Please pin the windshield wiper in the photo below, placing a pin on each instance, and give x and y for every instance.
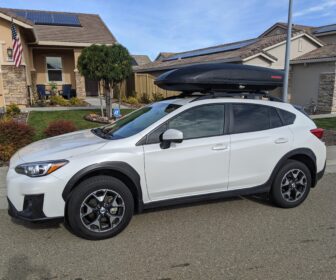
(99, 132)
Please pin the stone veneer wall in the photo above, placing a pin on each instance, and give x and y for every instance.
(80, 85)
(14, 84)
(326, 102)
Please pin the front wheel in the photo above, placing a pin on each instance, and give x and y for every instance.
(100, 207)
(291, 185)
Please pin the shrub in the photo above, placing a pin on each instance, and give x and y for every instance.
(124, 99)
(59, 127)
(132, 100)
(157, 96)
(74, 101)
(12, 110)
(59, 100)
(14, 135)
(144, 98)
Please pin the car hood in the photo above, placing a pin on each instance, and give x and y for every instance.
(61, 147)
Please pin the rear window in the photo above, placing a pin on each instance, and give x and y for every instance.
(288, 118)
(254, 117)
(250, 117)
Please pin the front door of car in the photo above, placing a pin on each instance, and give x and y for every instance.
(198, 165)
(259, 140)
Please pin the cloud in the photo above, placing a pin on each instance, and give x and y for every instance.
(321, 7)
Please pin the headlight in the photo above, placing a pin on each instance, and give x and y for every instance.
(38, 169)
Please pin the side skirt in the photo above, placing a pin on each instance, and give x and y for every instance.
(204, 197)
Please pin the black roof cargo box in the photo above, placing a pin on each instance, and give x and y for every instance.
(220, 77)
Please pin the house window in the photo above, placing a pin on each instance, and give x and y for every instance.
(54, 69)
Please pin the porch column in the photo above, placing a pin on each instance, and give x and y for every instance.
(80, 80)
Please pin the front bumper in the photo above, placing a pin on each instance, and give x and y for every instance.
(35, 199)
(32, 209)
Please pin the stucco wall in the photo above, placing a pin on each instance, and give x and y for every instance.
(305, 81)
(68, 64)
(296, 51)
(259, 61)
(5, 37)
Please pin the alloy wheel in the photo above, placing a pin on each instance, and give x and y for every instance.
(102, 210)
(293, 185)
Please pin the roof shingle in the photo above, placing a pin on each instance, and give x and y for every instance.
(228, 56)
(327, 51)
(92, 31)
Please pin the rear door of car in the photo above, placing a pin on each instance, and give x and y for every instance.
(259, 139)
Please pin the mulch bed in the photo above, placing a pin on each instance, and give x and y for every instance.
(97, 118)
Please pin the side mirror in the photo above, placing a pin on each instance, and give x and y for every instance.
(171, 136)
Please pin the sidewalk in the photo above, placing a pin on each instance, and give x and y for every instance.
(322, 116)
(331, 159)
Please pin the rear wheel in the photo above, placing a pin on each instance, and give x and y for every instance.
(292, 184)
(100, 207)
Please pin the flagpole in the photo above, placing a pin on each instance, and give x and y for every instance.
(288, 50)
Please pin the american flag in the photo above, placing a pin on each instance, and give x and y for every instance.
(17, 48)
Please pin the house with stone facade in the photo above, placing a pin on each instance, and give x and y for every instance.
(52, 43)
(313, 61)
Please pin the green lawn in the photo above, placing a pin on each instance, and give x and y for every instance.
(40, 120)
(327, 123)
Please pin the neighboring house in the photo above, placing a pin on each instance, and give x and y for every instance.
(313, 61)
(139, 60)
(52, 43)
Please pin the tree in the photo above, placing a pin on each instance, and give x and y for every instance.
(117, 69)
(91, 65)
(110, 64)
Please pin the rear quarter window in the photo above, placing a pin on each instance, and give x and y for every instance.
(287, 118)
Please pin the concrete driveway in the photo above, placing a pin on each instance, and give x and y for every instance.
(241, 238)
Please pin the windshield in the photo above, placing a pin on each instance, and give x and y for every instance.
(136, 121)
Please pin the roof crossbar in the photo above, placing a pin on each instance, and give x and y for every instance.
(237, 94)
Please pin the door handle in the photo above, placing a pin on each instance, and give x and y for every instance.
(281, 140)
(219, 147)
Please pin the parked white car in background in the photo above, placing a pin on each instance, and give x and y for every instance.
(177, 150)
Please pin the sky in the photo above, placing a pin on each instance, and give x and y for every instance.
(152, 26)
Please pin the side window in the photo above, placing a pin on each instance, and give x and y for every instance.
(287, 117)
(250, 117)
(274, 118)
(198, 122)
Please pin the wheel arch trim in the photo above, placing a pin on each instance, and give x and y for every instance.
(296, 152)
(109, 166)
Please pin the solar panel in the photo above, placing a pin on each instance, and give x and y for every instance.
(46, 18)
(213, 50)
(323, 29)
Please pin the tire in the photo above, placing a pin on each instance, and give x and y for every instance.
(287, 190)
(99, 208)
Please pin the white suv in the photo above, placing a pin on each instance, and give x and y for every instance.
(177, 150)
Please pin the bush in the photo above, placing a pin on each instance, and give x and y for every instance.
(14, 135)
(74, 101)
(59, 100)
(132, 100)
(12, 110)
(157, 96)
(144, 98)
(59, 127)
